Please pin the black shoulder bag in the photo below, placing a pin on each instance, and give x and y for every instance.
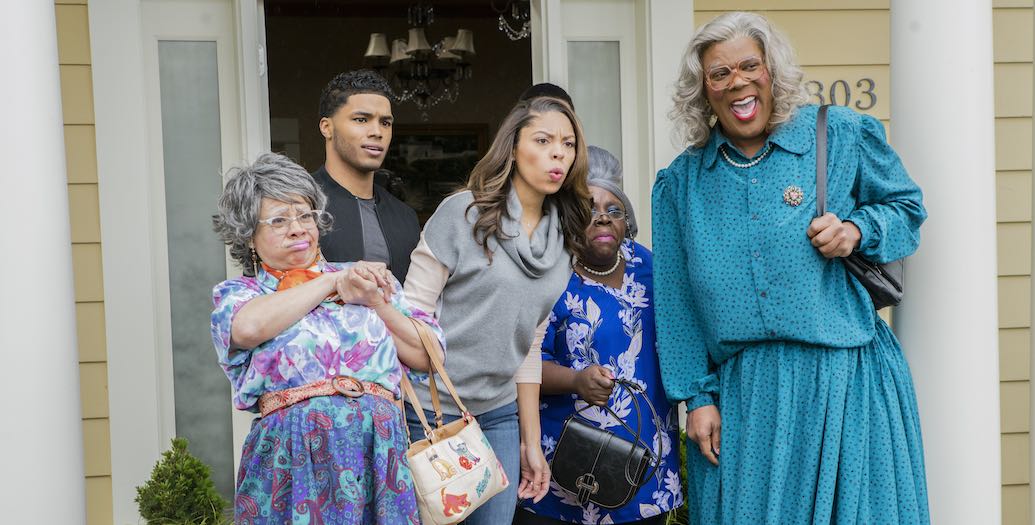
(882, 281)
(596, 465)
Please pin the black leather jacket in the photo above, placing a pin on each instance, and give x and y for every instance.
(344, 243)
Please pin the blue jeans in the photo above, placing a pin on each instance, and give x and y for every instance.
(500, 427)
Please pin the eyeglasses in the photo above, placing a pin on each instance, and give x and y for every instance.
(306, 220)
(614, 212)
(721, 77)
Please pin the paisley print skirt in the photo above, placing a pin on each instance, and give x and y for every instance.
(327, 460)
(814, 435)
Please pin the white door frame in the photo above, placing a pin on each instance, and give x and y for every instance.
(141, 417)
(663, 33)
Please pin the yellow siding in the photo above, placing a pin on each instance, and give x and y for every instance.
(99, 501)
(73, 39)
(1014, 301)
(81, 154)
(1012, 41)
(1014, 354)
(1016, 505)
(86, 261)
(76, 92)
(84, 213)
(1012, 30)
(1013, 142)
(1015, 255)
(93, 390)
(828, 37)
(786, 5)
(1013, 196)
(90, 331)
(1013, 400)
(96, 442)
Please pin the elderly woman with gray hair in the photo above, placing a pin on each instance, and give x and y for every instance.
(318, 349)
(602, 328)
(800, 403)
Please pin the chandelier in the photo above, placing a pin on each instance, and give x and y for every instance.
(422, 73)
(514, 14)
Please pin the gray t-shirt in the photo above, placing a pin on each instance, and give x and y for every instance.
(375, 247)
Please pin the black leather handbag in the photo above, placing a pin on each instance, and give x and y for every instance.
(597, 466)
(882, 281)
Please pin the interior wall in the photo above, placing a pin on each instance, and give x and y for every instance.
(305, 52)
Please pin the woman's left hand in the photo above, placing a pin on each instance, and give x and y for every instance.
(535, 473)
(833, 237)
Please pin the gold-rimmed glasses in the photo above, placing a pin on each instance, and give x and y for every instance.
(721, 77)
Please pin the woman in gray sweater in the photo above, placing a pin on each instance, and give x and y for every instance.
(490, 264)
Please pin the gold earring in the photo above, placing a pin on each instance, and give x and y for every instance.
(255, 262)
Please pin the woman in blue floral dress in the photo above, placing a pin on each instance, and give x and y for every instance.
(318, 349)
(602, 328)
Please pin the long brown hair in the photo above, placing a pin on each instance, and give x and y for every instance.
(490, 179)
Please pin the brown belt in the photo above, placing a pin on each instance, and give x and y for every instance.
(339, 385)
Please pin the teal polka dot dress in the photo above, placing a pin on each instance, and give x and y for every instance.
(819, 415)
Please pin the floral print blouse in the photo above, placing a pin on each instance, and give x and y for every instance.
(593, 324)
(330, 340)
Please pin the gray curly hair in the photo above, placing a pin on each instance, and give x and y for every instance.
(606, 172)
(692, 114)
(271, 176)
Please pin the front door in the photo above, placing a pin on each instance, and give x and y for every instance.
(194, 135)
(597, 50)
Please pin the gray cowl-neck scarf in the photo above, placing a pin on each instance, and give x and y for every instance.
(535, 255)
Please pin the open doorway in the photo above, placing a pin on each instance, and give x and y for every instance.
(432, 151)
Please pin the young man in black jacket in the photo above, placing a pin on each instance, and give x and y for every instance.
(369, 223)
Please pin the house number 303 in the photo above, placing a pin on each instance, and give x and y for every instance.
(840, 93)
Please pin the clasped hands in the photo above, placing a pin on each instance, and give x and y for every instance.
(365, 283)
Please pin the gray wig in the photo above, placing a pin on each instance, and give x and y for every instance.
(692, 114)
(271, 176)
(605, 172)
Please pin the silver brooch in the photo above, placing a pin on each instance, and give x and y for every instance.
(793, 195)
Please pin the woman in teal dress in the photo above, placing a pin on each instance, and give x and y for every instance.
(800, 404)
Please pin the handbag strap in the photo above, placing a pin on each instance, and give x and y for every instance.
(433, 349)
(821, 161)
(634, 389)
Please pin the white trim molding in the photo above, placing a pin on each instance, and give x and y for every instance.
(43, 432)
(948, 320)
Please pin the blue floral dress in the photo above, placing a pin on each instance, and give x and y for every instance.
(819, 415)
(595, 324)
(326, 460)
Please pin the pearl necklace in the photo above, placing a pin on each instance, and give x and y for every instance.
(598, 273)
(746, 164)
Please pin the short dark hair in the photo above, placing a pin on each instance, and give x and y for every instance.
(361, 81)
(546, 89)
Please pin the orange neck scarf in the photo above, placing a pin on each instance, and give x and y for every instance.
(291, 278)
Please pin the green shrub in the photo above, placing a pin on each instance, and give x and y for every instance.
(180, 491)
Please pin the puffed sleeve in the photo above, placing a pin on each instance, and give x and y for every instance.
(401, 303)
(227, 298)
(889, 209)
(686, 370)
